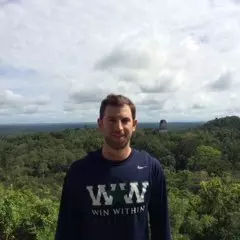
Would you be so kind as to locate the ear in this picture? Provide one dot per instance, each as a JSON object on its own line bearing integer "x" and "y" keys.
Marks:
{"x": 135, "y": 122}
{"x": 99, "y": 121}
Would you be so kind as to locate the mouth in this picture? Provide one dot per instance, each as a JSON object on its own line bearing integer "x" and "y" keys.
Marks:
{"x": 118, "y": 135}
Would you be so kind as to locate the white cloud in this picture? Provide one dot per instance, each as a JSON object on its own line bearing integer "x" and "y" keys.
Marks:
{"x": 223, "y": 82}
{"x": 60, "y": 58}
{"x": 12, "y": 104}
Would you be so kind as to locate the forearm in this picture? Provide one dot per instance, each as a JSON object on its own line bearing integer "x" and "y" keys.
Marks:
{"x": 67, "y": 218}
{"x": 159, "y": 227}
{"x": 158, "y": 207}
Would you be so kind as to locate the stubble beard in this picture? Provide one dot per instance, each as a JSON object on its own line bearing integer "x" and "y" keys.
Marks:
{"x": 117, "y": 145}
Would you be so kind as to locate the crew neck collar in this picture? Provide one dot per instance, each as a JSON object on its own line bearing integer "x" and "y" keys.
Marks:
{"x": 116, "y": 162}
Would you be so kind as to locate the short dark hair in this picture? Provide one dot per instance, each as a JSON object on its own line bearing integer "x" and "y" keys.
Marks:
{"x": 117, "y": 100}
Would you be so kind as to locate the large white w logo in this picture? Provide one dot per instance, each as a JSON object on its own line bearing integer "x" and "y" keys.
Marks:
{"x": 134, "y": 189}
{"x": 96, "y": 201}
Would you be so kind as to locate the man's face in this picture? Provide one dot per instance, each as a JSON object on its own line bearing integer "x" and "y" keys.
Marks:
{"x": 117, "y": 126}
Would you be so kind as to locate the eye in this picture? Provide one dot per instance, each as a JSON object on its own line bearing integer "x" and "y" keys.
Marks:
{"x": 125, "y": 120}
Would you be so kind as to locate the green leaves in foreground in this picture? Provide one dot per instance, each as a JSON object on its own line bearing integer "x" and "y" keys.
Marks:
{"x": 25, "y": 216}
{"x": 214, "y": 213}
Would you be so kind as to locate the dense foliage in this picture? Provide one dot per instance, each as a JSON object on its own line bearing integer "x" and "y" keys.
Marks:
{"x": 202, "y": 167}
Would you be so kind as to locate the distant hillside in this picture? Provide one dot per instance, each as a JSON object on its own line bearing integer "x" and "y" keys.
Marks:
{"x": 229, "y": 122}
{"x": 19, "y": 129}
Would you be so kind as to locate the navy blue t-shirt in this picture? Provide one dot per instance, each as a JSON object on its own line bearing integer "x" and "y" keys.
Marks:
{"x": 112, "y": 200}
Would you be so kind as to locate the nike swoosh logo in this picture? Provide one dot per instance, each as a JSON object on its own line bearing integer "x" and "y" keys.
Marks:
{"x": 141, "y": 167}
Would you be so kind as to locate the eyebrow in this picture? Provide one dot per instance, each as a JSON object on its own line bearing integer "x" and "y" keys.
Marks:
{"x": 114, "y": 117}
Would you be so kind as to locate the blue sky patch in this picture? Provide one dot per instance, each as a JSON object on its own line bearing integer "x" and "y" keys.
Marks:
{"x": 8, "y": 71}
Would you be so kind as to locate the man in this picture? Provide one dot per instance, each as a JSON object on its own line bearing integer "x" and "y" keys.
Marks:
{"x": 110, "y": 193}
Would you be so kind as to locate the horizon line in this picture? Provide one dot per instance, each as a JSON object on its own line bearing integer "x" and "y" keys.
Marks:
{"x": 44, "y": 123}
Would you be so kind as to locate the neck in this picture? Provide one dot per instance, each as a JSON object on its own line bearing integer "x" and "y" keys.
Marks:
{"x": 114, "y": 154}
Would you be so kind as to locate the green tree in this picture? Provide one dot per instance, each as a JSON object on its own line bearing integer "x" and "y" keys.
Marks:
{"x": 214, "y": 213}
{"x": 208, "y": 158}
{"x": 25, "y": 216}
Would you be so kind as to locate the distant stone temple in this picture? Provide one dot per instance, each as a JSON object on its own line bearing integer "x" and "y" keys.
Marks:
{"x": 162, "y": 126}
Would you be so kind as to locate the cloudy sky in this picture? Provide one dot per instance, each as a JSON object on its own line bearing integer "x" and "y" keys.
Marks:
{"x": 177, "y": 60}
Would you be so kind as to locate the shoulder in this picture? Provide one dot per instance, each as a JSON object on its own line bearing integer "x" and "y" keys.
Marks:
{"x": 79, "y": 165}
{"x": 157, "y": 173}
{"x": 149, "y": 157}
{"x": 154, "y": 163}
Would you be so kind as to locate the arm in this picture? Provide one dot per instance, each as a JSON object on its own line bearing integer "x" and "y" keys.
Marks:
{"x": 66, "y": 224}
{"x": 158, "y": 207}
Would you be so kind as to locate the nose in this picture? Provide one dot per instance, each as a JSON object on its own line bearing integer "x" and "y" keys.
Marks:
{"x": 118, "y": 125}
